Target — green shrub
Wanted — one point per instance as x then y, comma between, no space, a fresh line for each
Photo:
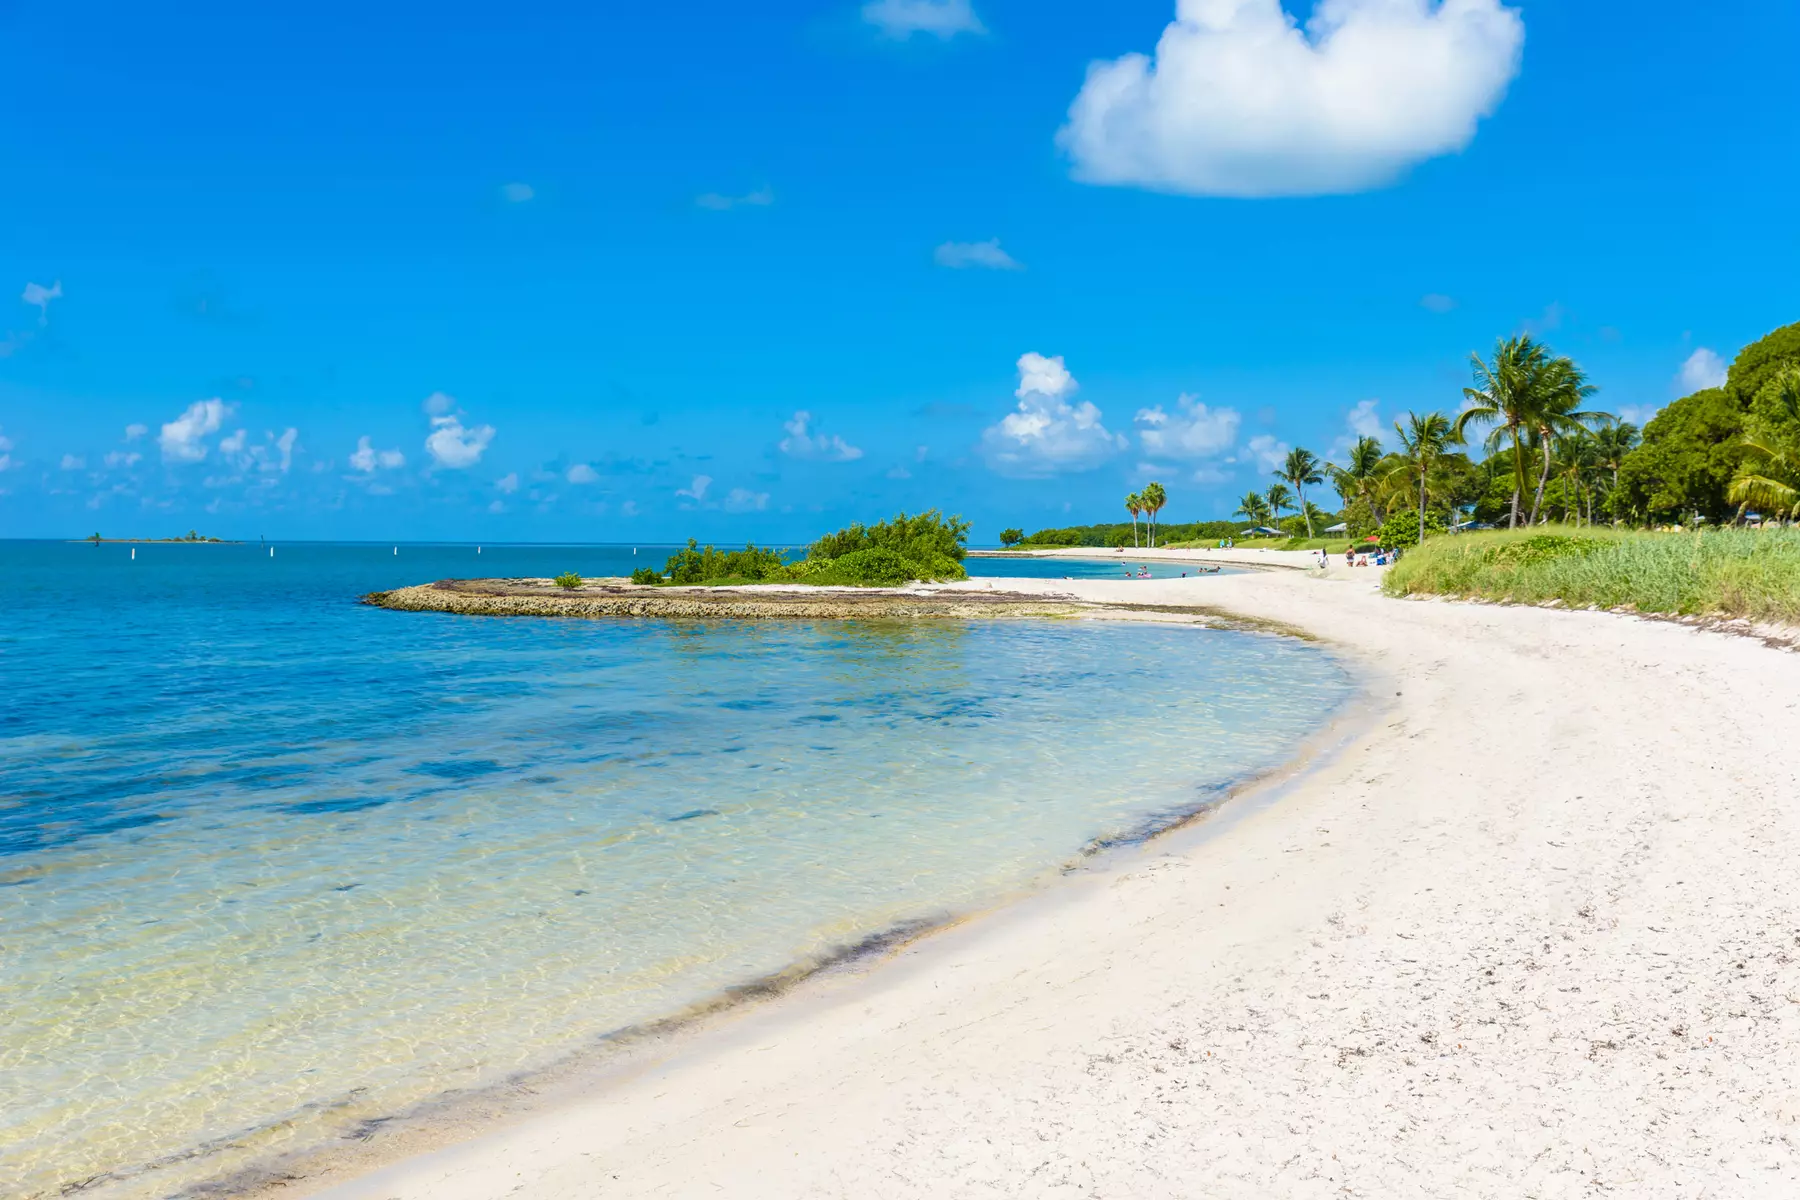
1401,529
929,539
569,580
1008,537
646,575
694,564
876,566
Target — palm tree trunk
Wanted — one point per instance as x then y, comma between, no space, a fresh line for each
1421,504
1543,478
1512,522
1305,512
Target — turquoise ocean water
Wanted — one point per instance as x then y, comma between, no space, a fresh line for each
274,865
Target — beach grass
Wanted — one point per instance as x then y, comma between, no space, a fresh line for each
1747,573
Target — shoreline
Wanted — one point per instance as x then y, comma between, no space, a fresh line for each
1432,962
458,1117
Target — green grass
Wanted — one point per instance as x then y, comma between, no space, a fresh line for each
1727,572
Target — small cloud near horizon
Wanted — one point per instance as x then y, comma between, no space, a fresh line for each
1437,302
802,442
1703,369
943,19
762,197
960,256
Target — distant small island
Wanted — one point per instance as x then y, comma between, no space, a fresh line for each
192,539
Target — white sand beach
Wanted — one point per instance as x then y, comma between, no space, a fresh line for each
1534,930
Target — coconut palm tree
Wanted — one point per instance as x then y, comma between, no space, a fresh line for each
1423,440
1278,498
1300,471
1155,498
1507,395
1253,508
1770,476
1612,442
1134,504
1358,477
1561,389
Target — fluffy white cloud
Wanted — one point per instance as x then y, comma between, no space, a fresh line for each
1047,434
1192,431
745,500
182,438
73,462
628,509
366,458
582,473
1269,452
1240,100
960,255
450,443
1365,419
234,444
1703,369
121,458
134,431
696,491
508,483
39,296
517,193
801,442
762,197
940,18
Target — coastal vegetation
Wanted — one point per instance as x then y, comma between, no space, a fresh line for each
1525,448
925,546
1754,574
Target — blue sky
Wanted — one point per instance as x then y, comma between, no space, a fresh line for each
636,272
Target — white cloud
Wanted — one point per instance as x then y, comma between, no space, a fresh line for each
284,448
498,506
1365,419
39,296
449,443
1239,100
517,193
73,462
745,500
696,491
181,438
367,459
582,473
1269,452
120,458
134,431
1638,414
899,473
940,18
233,445
508,483
801,442
628,509
1436,302
1193,431
762,197
1047,434
1703,369
960,255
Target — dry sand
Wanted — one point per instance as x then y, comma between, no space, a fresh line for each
1534,932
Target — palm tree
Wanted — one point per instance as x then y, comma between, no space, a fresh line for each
1253,508
1506,396
1278,498
1612,442
1771,478
1299,471
1134,504
1561,388
1423,441
1154,500
1356,480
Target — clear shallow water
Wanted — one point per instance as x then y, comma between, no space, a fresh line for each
273,864
1078,568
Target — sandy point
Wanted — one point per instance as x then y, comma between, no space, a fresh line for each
1533,932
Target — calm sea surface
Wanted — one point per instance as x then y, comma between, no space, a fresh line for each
273,864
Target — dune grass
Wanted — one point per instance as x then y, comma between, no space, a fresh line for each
1728,572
